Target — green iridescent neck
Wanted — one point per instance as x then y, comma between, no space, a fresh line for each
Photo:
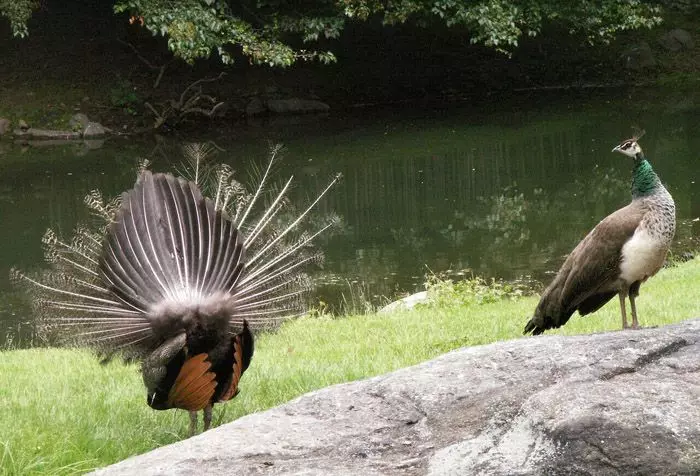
644,179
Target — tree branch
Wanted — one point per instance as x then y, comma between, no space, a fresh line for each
199,81
161,69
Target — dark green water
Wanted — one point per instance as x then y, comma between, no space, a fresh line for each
501,190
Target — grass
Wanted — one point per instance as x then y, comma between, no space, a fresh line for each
62,412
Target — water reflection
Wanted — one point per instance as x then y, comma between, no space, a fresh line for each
498,194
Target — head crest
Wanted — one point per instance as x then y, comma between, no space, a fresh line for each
630,147
639,133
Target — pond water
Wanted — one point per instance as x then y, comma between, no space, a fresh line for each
503,189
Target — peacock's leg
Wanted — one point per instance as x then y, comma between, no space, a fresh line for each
634,292
623,310
207,417
635,323
193,423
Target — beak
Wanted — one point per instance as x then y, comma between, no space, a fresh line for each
616,149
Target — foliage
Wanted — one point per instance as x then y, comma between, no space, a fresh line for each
476,290
18,13
197,28
265,31
123,95
501,23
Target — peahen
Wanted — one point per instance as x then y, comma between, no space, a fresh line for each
617,256
179,281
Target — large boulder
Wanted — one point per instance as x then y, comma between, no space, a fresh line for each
618,403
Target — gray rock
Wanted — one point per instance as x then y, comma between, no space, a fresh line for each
36,133
93,130
255,107
639,57
677,40
4,126
296,106
236,106
618,403
78,122
406,303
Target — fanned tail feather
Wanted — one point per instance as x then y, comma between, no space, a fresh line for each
174,244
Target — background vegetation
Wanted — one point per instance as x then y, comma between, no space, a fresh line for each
260,29
127,64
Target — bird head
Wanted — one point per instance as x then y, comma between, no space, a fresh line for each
630,147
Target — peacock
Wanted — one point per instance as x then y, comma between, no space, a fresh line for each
617,256
180,280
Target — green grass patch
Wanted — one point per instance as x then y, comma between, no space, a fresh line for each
62,412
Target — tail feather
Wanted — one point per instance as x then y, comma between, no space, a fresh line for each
165,248
243,348
549,314
531,326
171,243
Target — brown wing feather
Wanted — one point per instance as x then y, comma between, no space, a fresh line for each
194,385
590,269
595,262
243,348
232,390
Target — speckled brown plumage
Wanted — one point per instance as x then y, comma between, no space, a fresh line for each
616,257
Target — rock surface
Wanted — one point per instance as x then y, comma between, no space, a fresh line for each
409,302
78,121
639,57
255,107
4,126
624,402
296,106
677,40
35,133
93,130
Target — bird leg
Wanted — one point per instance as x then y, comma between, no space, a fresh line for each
193,423
207,420
623,310
635,323
207,417
633,293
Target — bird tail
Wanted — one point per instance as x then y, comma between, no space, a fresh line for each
171,248
549,313
531,326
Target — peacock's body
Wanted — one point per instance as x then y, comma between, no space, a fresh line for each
617,256
179,281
